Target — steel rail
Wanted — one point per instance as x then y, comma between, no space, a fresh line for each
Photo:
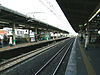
51,59
62,59
11,62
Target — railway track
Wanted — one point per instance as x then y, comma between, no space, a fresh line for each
13,53
51,67
4,66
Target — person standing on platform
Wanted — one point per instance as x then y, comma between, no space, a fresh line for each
86,41
10,41
1,40
81,38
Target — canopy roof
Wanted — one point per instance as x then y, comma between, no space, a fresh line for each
78,12
8,16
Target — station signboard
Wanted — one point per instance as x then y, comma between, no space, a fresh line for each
3,32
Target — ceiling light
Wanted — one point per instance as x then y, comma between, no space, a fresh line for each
97,15
32,27
40,28
4,22
85,24
94,15
22,25
98,32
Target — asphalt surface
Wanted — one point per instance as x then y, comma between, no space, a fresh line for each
32,65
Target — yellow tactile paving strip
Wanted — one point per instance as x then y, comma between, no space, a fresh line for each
88,65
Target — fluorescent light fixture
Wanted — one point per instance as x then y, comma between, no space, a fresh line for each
96,29
32,27
4,22
94,15
98,15
99,32
45,29
40,28
85,24
22,25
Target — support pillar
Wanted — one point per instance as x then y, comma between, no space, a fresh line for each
57,34
14,36
36,39
47,35
60,35
53,35
29,35
87,32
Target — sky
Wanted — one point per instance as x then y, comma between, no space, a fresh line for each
47,11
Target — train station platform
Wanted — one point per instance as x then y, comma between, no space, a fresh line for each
82,61
16,46
8,47
5,48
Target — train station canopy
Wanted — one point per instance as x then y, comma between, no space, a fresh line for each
79,12
8,16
